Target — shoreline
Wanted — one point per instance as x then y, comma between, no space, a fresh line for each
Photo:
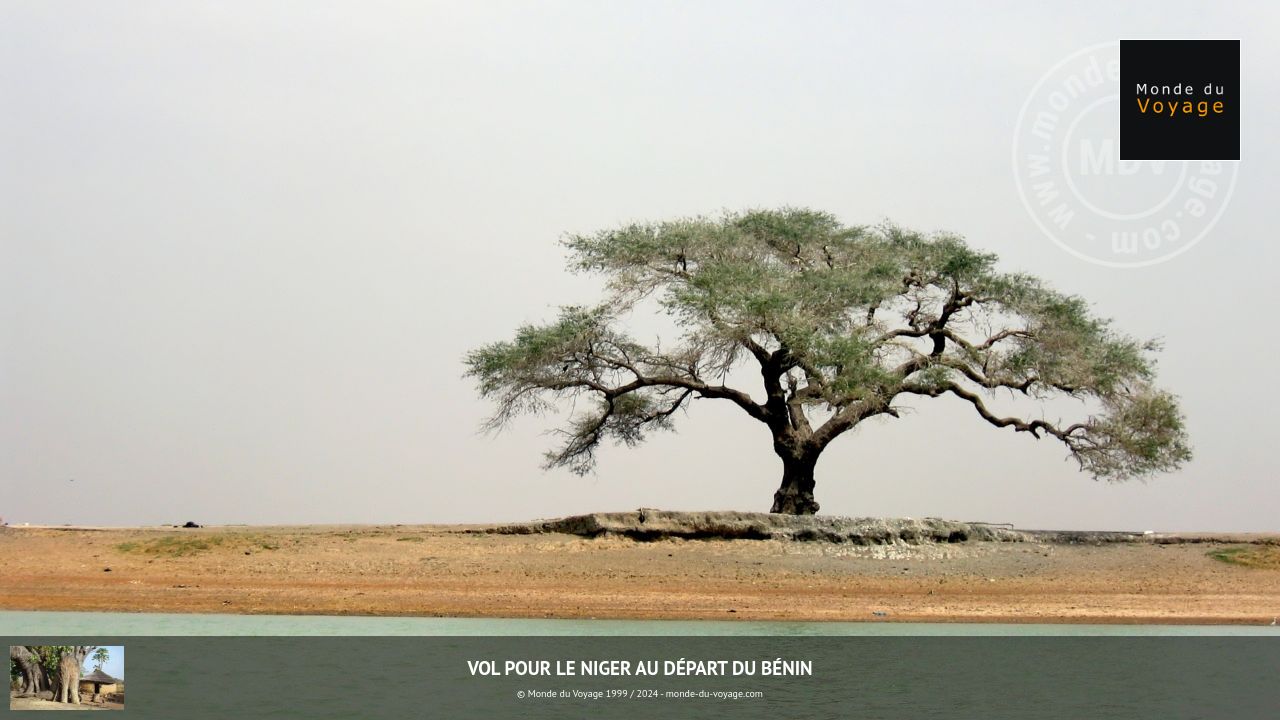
466,572
1183,621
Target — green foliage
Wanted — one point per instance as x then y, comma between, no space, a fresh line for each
625,418
50,655
1250,556
841,321
180,544
173,545
1142,432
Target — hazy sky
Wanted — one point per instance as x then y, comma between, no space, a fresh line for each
245,246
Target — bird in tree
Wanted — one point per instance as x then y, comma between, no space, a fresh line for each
843,324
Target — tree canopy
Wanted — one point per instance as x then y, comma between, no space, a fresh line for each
843,322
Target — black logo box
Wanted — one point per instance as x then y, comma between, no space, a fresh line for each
1158,78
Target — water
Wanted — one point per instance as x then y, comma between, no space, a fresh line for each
114,624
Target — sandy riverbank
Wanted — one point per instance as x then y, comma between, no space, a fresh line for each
43,703
438,570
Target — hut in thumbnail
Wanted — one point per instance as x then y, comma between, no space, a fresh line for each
98,683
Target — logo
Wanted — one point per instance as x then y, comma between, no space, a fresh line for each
1096,203
1180,99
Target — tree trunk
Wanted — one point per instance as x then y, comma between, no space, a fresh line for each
34,678
61,693
795,495
67,686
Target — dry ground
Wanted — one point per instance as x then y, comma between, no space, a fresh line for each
39,703
434,570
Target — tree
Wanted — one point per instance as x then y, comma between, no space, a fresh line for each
842,324
100,656
24,676
50,667
29,665
67,687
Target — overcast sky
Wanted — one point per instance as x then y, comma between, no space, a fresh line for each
245,246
